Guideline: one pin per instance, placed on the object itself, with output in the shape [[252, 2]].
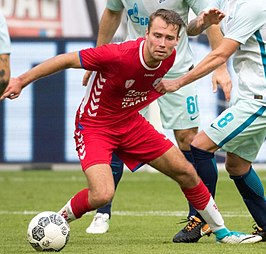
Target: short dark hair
[[169, 16]]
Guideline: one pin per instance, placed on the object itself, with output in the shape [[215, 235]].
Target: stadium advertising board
[[33, 18], [38, 126]]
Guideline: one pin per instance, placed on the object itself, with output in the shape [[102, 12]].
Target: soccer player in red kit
[[108, 119], [129, 85]]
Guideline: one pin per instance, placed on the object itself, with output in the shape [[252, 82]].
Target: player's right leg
[[100, 192], [94, 150], [101, 220]]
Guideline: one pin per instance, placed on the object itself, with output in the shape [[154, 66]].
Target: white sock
[[212, 216]]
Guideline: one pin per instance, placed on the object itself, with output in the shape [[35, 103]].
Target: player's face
[[160, 41]]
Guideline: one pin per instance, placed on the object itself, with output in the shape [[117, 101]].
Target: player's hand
[[13, 89], [211, 17], [165, 86], [86, 78], [222, 77]]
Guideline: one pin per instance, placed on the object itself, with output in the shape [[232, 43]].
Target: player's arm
[[109, 24], [48, 67], [213, 60], [4, 71]]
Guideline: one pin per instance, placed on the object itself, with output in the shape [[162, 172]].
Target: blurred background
[[37, 128]]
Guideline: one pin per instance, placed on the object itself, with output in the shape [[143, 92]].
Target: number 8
[[225, 120]]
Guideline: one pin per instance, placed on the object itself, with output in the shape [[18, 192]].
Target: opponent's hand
[[205, 19], [222, 77], [13, 89], [211, 17], [86, 78]]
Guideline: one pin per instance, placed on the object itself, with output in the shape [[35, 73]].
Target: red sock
[[80, 203], [198, 196]]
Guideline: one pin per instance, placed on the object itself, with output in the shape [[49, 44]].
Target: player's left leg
[[173, 164], [180, 113], [250, 188], [207, 170], [101, 220]]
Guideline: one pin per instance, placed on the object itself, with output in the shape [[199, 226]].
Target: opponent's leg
[[251, 189]]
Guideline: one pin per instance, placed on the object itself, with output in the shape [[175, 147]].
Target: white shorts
[[240, 129], [179, 110]]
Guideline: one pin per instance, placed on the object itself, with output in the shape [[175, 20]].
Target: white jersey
[[138, 12], [245, 22], [5, 47]]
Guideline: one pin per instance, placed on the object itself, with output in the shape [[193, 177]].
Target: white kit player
[[241, 129]]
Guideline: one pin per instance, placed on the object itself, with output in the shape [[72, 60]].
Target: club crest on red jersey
[[129, 83]]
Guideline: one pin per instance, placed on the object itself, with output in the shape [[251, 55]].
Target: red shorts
[[135, 143]]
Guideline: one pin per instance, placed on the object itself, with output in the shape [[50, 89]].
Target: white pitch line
[[138, 213]]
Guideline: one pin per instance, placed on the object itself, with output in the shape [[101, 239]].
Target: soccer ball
[[48, 231]]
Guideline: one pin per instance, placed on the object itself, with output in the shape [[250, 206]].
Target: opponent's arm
[[212, 61], [109, 24], [48, 67], [220, 75]]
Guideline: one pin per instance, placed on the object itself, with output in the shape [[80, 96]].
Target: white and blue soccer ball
[[48, 231]]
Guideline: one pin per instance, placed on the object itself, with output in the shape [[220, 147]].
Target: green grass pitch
[[147, 210]]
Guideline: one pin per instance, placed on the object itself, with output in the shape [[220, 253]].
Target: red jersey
[[121, 84]]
